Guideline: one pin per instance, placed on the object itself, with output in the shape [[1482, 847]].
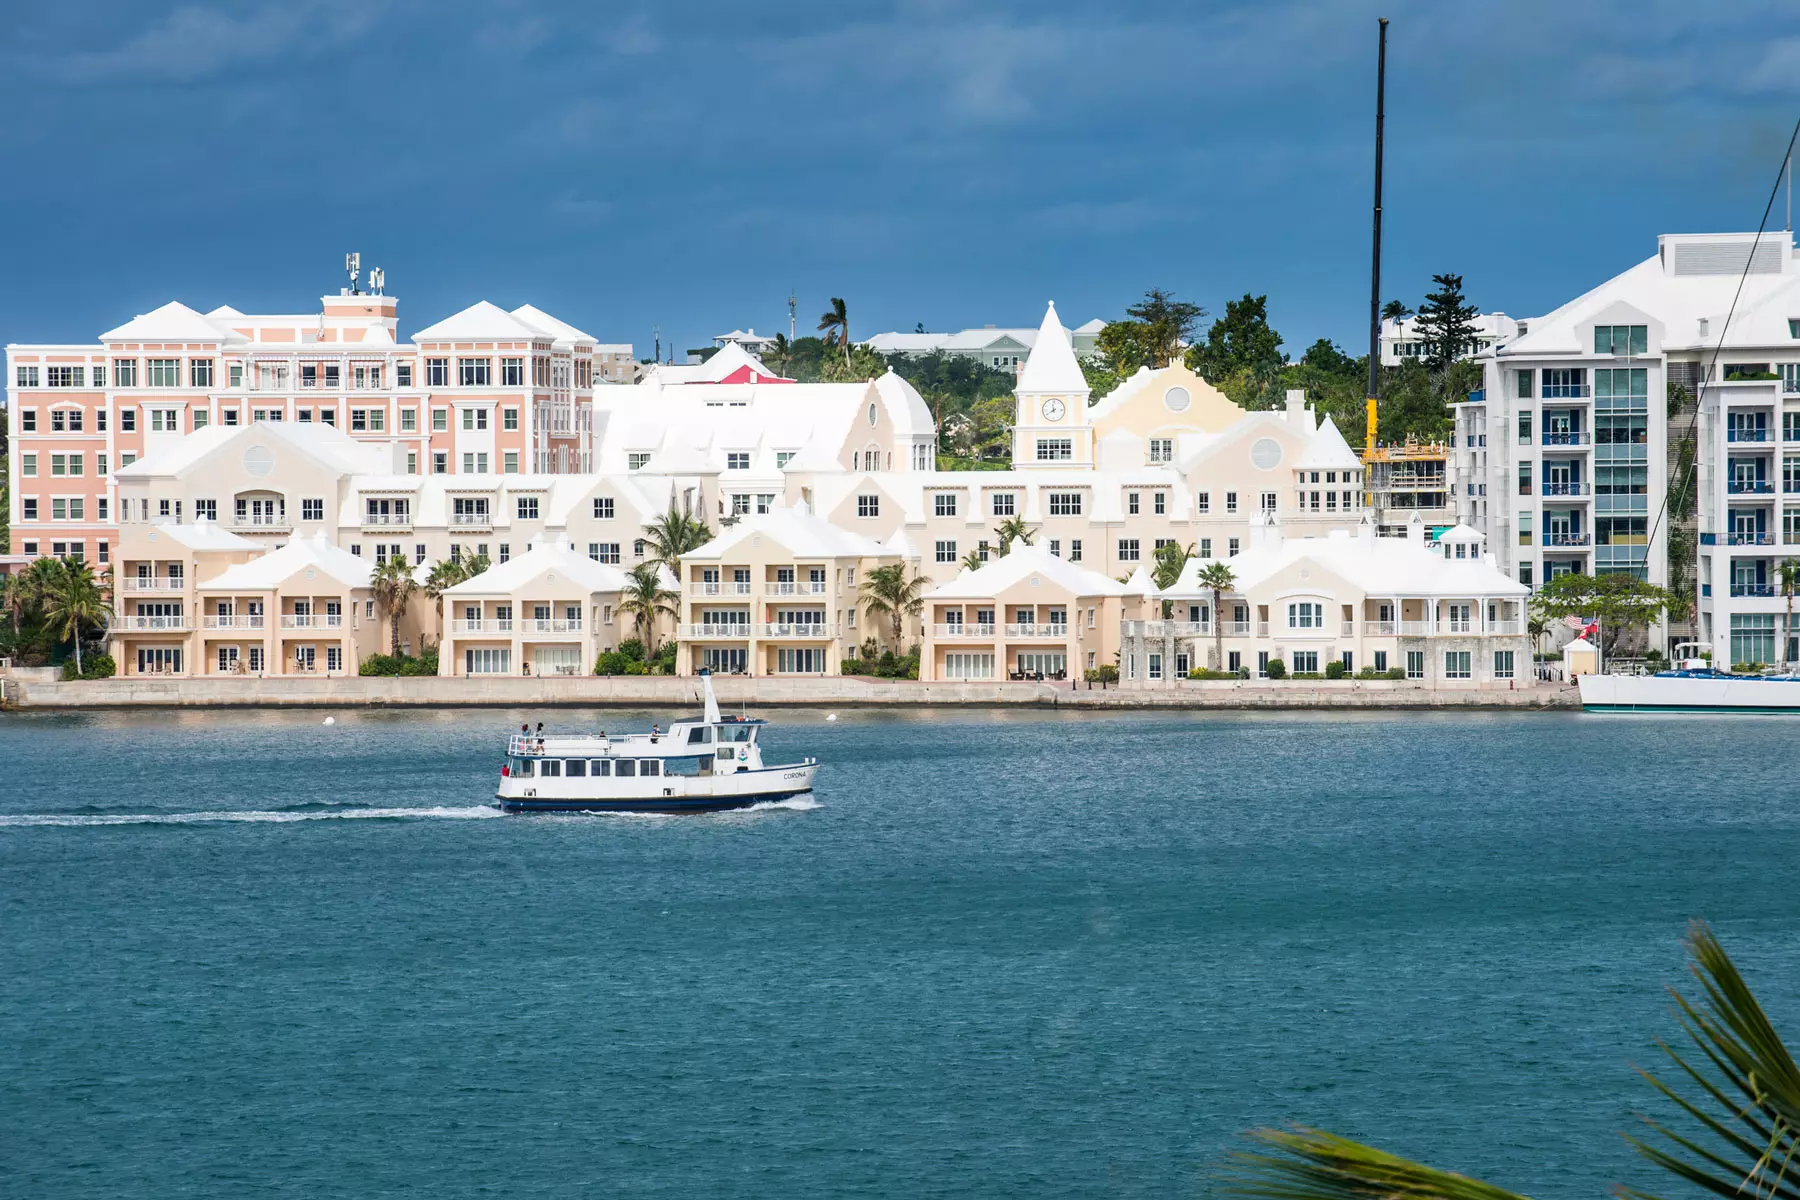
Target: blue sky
[[686, 163]]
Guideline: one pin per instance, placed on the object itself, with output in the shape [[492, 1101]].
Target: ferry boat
[[1693, 686], [709, 764]]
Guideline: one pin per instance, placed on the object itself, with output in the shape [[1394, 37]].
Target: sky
[[686, 164]]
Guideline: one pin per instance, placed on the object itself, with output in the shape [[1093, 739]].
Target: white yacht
[[708, 764], [1693, 686]]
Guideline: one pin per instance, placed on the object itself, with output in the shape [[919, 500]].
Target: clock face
[[1053, 409]]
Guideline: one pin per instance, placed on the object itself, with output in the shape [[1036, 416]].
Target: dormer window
[[1794, 327]]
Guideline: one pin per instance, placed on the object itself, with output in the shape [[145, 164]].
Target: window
[[737, 460], [208, 510], [125, 372], [412, 462], [603, 508], [409, 420], [606, 552], [1205, 547], [27, 377], [509, 462], [163, 372], [1306, 616], [1131, 503], [944, 505], [1269, 501], [946, 552], [637, 460], [1162, 450], [1074, 549], [440, 420], [403, 375], [1621, 339], [28, 420], [527, 508], [437, 372], [1415, 664], [1159, 502], [440, 462], [1128, 550], [28, 508], [868, 506], [28, 465], [1005, 504], [1524, 479], [64, 377], [1231, 548], [1306, 662], [200, 372], [496, 661], [1524, 429], [474, 418], [1055, 449], [474, 372], [59, 464], [1065, 504], [1525, 381], [1230, 502], [1503, 664], [1456, 664], [1524, 529], [512, 374], [312, 510]]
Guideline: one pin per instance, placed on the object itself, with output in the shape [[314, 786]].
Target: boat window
[[686, 766], [734, 733], [627, 767], [650, 766], [552, 768], [602, 766], [700, 736], [522, 768], [577, 768], [725, 754]]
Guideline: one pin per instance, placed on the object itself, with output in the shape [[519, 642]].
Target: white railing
[[261, 523], [153, 583], [1458, 625], [1262, 629], [733, 632], [720, 589], [312, 620], [166, 624], [1378, 628], [233, 621], [1349, 629], [467, 520], [962, 630], [1507, 628], [549, 625], [806, 587], [1416, 629], [805, 630], [391, 520], [1037, 631], [1238, 628], [479, 626]]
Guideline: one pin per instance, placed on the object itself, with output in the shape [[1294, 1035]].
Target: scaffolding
[[1405, 479]]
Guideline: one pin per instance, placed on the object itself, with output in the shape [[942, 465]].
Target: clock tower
[[1050, 418]]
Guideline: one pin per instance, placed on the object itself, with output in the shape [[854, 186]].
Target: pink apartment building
[[485, 391]]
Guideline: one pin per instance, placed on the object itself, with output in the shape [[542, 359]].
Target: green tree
[[674, 534], [1013, 529], [1620, 602], [1218, 576], [1170, 558], [1102, 375], [1240, 341], [834, 323], [993, 420], [859, 363], [72, 602], [645, 598], [1395, 310], [972, 561], [393, 585], [1153, 334], [1741, 1088], [1446, 323], [890, 592], [1787, 574], [445, 574]]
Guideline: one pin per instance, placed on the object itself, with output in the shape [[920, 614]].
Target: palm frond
[[1745, 1093], [1302, 1163]]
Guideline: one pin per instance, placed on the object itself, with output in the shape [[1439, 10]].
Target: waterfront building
[[1027, 614], [1439, 609], [1402, 339], [732, 364], [550, 610], [1000, 349], [777, 593]]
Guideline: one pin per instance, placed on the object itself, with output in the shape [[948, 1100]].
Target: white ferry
[[1692, 687], [710, 764]]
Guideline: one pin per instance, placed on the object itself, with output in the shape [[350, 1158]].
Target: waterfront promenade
[[759, 692]]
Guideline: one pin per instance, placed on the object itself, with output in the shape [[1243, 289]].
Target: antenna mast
[[1374, 393], [793, 303], [353, 267]]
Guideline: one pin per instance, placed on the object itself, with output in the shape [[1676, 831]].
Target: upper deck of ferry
[[682, 738]]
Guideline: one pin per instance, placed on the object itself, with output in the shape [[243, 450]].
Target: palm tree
[[1395, 310], [1013, 529], [72, 600], [1747, 1105], [834, 323], [445, 574], [393, 585], [674, 534], [887, 592], [1787, 573], [13, 600], [781, 355], [972, 561], [1170, 557], [644, 599], [1218, 576], [1537, 627]]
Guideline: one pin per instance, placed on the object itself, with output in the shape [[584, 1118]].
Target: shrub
[[93, 666], [1276, 669], [380, 664], [1306, 675], [1209, 673], [1335, 670], [1396, 673], [628, 659], [1107, 674]]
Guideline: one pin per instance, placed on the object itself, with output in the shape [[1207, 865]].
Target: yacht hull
[[1652, 693], [672, 794]]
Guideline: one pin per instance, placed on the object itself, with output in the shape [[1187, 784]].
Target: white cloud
[[194, 42]]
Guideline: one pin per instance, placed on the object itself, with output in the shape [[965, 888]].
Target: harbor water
[[997, 954]]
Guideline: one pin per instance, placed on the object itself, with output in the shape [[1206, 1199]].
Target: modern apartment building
[[1565, 456]]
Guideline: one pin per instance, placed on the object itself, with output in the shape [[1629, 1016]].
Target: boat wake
[[278, 817]]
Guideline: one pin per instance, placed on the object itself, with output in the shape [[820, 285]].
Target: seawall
[[674, 691]]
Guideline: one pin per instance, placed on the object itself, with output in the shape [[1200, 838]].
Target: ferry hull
[[672, 794], [1651, 693], [666, 804]]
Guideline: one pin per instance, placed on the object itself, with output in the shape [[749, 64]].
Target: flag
[[1574, 622]]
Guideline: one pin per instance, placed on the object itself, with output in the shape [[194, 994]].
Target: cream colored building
[[777, 593], [158, 627], [1028, 614], [550, 610]]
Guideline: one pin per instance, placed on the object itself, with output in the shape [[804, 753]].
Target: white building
[[1001, 349], [1402, 339]]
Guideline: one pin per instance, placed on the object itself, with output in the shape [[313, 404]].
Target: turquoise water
[[1003, 955]]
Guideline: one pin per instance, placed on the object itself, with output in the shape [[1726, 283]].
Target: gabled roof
[[1378, 566], [173, 322], [1052, 366], [1000, 574], [480, 320], [1327, 451], [278, 566], [204, 535], [796, 530], [542, 558], [326, 444], [543, 322]]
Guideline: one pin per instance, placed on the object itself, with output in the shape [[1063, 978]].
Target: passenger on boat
[[655, 733]]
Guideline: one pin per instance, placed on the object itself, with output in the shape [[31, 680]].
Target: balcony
[[1507, 628], [1348, 629], [719, 589], [1748, 436], [549, 627], [490, 625], [807, 629], [261, 523], [1568, 540], [736, 632], [1570, 438], [1416, 629], [1458, 625], [312, 620], [806, 587], [1237, 628], [1037, 631], [136, 624], [959, 630], [152, 583], [1750, 487], [1750, 539], [1380, 628], [395, 521], [1572, 488], [1262, 629], [1753, 589], [1565, 391], [471, 521], [233, 621]]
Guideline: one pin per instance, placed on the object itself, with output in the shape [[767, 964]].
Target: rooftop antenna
[[353, 267], [377, 280], [793, 304], [1374, 393], [656, 333]]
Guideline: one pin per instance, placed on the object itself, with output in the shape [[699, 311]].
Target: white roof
[[1328, 451], [543, 322], [173, 322], [1378, 566], [325, 443], [481, 320], [728, 359], [967, 340], [795, 529], [277, 566], [1000, 574], [205, 535], [544, 557], [1052, 366]]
